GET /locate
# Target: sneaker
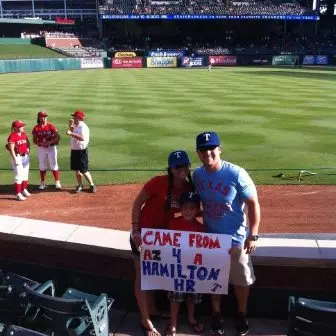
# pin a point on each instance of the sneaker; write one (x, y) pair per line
(93, 188)
(217, 327)
(241, 324)
(58, 185)
(42, 186)
(26, 193)
(20, 197)
(78, 189)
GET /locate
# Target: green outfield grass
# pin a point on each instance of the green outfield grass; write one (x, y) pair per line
(269, 119)
(16, 51)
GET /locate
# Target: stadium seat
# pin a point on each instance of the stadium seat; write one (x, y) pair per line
(13, 301)
(311, 317)
(14, 330)
(74, 313)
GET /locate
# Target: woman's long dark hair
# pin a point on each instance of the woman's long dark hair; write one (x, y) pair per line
(170, 187)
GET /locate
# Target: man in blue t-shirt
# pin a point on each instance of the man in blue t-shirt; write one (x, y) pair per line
(225, 190)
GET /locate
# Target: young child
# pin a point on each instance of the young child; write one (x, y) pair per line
(190, 205)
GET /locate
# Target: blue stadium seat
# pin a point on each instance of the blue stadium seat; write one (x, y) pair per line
(309, 317)
(74, 313)
(13, 301)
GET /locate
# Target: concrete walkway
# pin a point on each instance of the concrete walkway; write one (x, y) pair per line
(127, 324)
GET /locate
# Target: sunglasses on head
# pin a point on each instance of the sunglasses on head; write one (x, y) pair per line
(207, 148)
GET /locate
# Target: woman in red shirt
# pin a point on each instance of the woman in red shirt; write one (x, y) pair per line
(18, 146)
(154, 207)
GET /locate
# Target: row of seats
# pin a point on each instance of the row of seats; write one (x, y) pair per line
(28, 307)
(206, 7)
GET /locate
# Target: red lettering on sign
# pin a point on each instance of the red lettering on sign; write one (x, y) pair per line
(197, 240)
(147, 255)
(162, 238)
(198, 260)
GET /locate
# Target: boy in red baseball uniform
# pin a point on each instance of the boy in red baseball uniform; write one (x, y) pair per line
(18, 146)
(46, 137)
(190, 206)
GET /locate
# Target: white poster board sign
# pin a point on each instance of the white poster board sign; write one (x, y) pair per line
(189, 262)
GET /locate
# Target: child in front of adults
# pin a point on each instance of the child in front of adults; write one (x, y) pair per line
(190, 207)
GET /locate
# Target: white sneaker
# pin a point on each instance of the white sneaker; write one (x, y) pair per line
(42, 186)
(58, 185)
(26, 193)
(20, 197)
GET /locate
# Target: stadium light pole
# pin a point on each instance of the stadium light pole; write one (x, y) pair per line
(33, 8)
(65, 10)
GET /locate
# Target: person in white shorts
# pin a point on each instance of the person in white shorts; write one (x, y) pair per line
(225, 189)
(46, 138)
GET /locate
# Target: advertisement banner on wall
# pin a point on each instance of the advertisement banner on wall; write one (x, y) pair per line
(125, 54)
(315, 60)
(127, 62)
(161, 62)
(254, 60)
(192, 61)
(92, 63)
(223, 60)
(285, 60)
(166, 53)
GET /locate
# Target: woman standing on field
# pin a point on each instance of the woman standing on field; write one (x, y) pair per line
(154, 207)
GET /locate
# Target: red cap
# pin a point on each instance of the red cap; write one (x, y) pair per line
(18, 124)
(42, 114)
(79, 115)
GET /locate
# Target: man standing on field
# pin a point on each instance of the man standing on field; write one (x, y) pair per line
(225, 189)
(80, 136)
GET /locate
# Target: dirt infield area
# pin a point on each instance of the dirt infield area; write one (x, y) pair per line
(285, 209)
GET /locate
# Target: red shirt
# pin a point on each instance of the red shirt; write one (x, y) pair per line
(181, 224)
(20, 140)
(44, 133)
(153, 214)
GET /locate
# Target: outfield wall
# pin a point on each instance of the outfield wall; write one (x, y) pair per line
(52, 64)
(15, 41)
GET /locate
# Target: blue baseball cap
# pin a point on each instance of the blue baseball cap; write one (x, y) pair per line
(190, 197)
(178, 158)
(207, 139)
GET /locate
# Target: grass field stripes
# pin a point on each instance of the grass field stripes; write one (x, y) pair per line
(268, 118)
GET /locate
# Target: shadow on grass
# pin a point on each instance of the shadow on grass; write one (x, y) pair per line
(329, 74)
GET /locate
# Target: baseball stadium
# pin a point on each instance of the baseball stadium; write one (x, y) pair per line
(142, 80)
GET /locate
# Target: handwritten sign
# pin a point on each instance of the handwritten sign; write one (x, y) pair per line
(189, 262)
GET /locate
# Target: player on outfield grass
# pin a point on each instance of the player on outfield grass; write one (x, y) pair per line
(46, 138)
(18, 146)
(154, 206)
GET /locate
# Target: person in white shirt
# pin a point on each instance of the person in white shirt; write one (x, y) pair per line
(80, 136)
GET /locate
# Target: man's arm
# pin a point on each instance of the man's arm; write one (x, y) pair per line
(253, 214)
(75, 135)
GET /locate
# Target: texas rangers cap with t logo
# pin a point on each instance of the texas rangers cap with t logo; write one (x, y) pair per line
(207, 139)
(178, 158)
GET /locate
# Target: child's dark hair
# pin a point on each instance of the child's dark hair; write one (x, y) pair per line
(170, 187)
